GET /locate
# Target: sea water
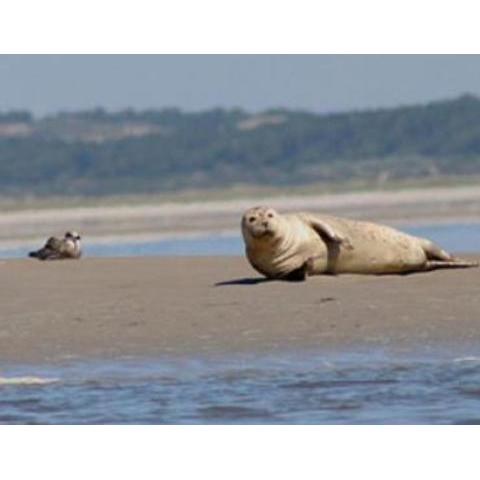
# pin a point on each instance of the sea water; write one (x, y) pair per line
(293, 388)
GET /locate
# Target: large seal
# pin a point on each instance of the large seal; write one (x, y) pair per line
(60, 248)
(296, 245)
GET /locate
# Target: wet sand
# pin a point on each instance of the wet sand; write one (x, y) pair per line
(104, 307)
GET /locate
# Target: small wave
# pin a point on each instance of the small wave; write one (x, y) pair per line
(26, 380)
(307, 384)
(233, 412)
(467, 359)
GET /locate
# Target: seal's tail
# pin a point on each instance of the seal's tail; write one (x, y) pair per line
(41, 254)
(454, 263)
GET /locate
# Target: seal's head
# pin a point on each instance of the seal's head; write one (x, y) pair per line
(260, 223)
(72, 236)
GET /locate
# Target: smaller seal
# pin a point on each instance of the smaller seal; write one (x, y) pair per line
(60, 248)
(299, 244)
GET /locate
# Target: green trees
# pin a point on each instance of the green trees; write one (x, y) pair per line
(97, 152)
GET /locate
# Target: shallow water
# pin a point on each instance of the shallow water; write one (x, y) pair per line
(308, 388)
(456, 238)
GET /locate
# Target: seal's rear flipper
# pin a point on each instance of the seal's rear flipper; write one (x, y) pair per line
(434, 252)
(437, 264)
(42, 254)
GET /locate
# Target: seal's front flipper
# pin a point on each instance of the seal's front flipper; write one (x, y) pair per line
(300, 274)
(327, 232)
(297, 275)
(345, 242)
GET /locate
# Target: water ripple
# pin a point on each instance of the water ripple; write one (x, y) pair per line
(354, 388)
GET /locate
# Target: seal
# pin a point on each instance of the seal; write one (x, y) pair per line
(60, 248)
(297, 245)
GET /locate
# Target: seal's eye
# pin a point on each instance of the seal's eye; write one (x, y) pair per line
(270, 215)
(251, 219)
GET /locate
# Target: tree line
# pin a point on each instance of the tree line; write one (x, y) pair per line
(98, 152)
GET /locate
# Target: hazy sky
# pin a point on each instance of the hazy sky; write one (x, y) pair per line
(322, 83)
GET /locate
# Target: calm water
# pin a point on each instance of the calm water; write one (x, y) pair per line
(345, 387)
(456, 238)
(304, 387)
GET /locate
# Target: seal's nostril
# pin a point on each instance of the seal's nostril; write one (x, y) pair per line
(265, 224)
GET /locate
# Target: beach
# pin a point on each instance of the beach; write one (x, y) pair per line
(114, 307)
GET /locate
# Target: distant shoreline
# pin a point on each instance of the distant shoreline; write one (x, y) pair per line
(234, 192)
(174, 219)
